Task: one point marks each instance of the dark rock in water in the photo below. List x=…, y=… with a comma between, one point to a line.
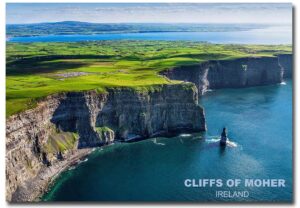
x=223, y=137
x=42, y=141
x=223, y=141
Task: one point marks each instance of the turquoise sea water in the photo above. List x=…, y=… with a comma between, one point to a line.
x=269, y=35
x=259, y=122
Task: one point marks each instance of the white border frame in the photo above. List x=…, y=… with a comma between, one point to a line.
x=296, y=124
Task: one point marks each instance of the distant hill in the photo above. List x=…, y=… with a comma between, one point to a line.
x=74, y=27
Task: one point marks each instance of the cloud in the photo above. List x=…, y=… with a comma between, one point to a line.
x=143, y=12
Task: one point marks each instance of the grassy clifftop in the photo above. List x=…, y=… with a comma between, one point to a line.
x=35, y=70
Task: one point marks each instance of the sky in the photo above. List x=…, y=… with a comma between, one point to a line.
x=17, y=13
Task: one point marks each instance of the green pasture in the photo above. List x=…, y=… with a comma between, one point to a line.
x=35, y=70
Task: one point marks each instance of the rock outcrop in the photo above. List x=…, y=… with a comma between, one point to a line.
x=237, y=73
x=41, y=142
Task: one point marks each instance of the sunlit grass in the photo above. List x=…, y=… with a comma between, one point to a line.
x=35, y=70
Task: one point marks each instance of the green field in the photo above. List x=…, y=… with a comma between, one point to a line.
x=35, y=70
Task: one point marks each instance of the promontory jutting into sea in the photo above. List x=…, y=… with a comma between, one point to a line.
x=149, y=102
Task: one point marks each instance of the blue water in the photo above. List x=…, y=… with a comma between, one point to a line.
x=259, y=122
x=269, y=35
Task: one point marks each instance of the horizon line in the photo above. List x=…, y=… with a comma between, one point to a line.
x=171, y=23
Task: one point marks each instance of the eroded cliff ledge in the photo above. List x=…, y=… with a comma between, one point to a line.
x=237, y=73
x=42, y=141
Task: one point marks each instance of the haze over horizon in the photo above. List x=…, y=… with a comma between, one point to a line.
x=272, y=13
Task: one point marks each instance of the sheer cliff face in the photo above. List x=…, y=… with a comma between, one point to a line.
x=286, y=62
x=42, y=141
x=40, y=138
x=243, y=72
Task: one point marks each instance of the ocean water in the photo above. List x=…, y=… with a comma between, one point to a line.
x=259, y=122
x=269, y=35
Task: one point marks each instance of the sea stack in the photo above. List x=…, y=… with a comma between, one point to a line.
x=223, y=137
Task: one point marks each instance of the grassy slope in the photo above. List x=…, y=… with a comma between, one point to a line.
x=33, y=69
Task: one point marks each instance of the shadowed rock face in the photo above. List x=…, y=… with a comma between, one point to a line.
x=122, y=113
x=97, y=119
x=243, y=72
x=147, y=114
x=75, y=114
x=286, y=62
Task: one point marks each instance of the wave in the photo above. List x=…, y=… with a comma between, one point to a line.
x=215, y=140
x=72, y=168
x=82, y=161
x=231, y=144
x=157, y=143
x=185, y=135
x=283, y=83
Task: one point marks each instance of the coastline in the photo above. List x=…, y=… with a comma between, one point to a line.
x=55, y=195
x=137, y=102
x=32, y=159
x=39, y=185
x=37, y=138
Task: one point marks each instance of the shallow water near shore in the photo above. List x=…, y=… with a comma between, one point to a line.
x=259, y=122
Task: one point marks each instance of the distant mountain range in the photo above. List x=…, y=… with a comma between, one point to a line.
x=74, y=27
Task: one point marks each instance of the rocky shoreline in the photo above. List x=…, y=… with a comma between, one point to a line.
x=37, y=186
x=43, y=141
x=63, y=128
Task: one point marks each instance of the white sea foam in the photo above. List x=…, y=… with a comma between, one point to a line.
x=71, y=168
x=217, y=140
x=283, y=83
x=157, y=143
x=213, y=140
x=185, y=135
x=197, y=138
x=231, y=144
x=82, y=161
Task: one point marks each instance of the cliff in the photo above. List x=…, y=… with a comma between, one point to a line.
x=237, y=73
x=286, y=62
x=41, y=142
